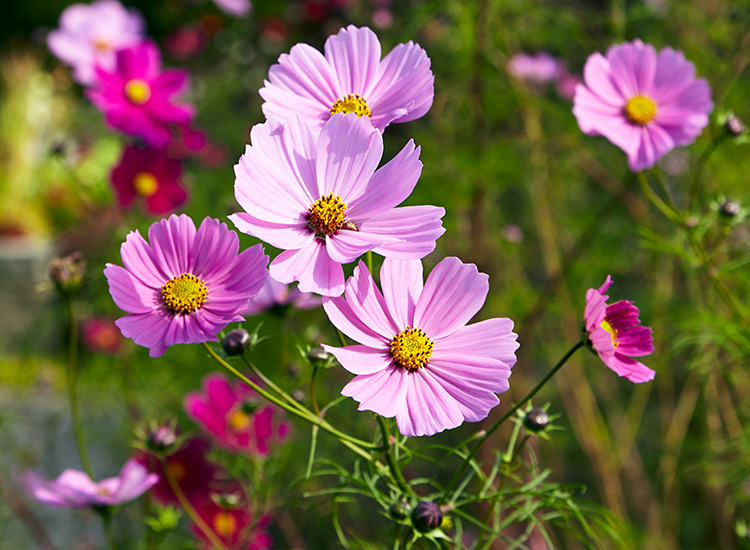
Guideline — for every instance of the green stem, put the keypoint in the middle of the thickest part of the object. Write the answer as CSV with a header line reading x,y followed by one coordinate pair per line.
x,y
665,209
268,382
75,412
314,399
398,477
106,516
511,412
695,181
357,445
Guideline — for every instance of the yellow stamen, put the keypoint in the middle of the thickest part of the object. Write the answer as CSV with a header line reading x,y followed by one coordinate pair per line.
x,y
606,326
327,215
137,91
351,103
640,109
100,45
239,420
145,184
224,524
177,469
411,348
184,294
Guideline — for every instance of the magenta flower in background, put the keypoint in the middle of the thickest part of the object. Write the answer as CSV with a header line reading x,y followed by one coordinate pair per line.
x,y
566,85
322,201
418,359
235,527
185,286
229,413
538,68
616,334
645,103
276,295
150,176
100,335
140,99
237,8
73,489
90,34
350,77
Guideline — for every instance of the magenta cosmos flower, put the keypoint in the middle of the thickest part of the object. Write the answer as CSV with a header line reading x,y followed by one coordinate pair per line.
x,y
539,68
138,98
236,527
90,34
418,359
278,297
350,77
616,334
322,201
643,102
230,413
185,286
149,176
73,489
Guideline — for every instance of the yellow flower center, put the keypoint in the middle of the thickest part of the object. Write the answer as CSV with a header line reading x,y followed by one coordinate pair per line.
x,y
100,45
606,326
177,469
184,294
327,215
103,492
224,524
137,91
411,348
351,103
145,184
239,420
640,109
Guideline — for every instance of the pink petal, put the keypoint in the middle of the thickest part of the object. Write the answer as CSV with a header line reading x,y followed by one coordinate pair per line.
x,y
354,55
383,392
361,359
129,293
367,303
416,228
291,236
429,409
402,284
312,267
343,318
630,369
493,338
346,246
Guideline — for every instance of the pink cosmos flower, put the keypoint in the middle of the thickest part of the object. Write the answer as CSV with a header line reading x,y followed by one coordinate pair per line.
x,y
73,489
235,527
320,199
138,98
151,176
275,295
566,85
90,34
538,68
350,77
617,335
100,335
231,415
643,102
418,360
238,8
185,286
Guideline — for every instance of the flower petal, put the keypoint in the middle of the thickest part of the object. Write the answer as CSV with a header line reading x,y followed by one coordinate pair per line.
x,y
361,359
402,284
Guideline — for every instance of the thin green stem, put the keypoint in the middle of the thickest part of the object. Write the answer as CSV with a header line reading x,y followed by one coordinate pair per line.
x,y
190,510
698,171
357,445
106,516
656,200
398,477
511,412
368,259
314,399
342,340
268,382
75,412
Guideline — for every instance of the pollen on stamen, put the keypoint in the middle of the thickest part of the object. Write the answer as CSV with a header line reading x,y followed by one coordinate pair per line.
x,y
612,332
351,103
327,215
225,524
137,91
411,348
184,294
640,110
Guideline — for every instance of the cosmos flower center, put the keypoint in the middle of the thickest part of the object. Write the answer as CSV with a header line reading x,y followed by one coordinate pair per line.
x,y
411,348
177,469
103,492
640,109
184,294
137,91
224,524
612,332
145,184
239,420
327,215
351,103
100,45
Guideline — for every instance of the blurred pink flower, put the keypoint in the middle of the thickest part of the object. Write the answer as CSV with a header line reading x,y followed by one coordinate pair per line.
x,y
185,42
229,413
566,85
322,201
138,98
617,335
235,527
539,68
279,295
100,335
238,8
186,286
643,102
73,489
90,34
150,176
350,77
418,359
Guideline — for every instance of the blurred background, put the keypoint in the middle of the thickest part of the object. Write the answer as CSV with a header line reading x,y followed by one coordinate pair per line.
x,y
546,211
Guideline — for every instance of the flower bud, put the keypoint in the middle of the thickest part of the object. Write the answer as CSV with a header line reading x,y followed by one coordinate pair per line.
x,y
400,510
317,355
236,342
734,126
426,516
67,273
157,438
536,420
729,209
